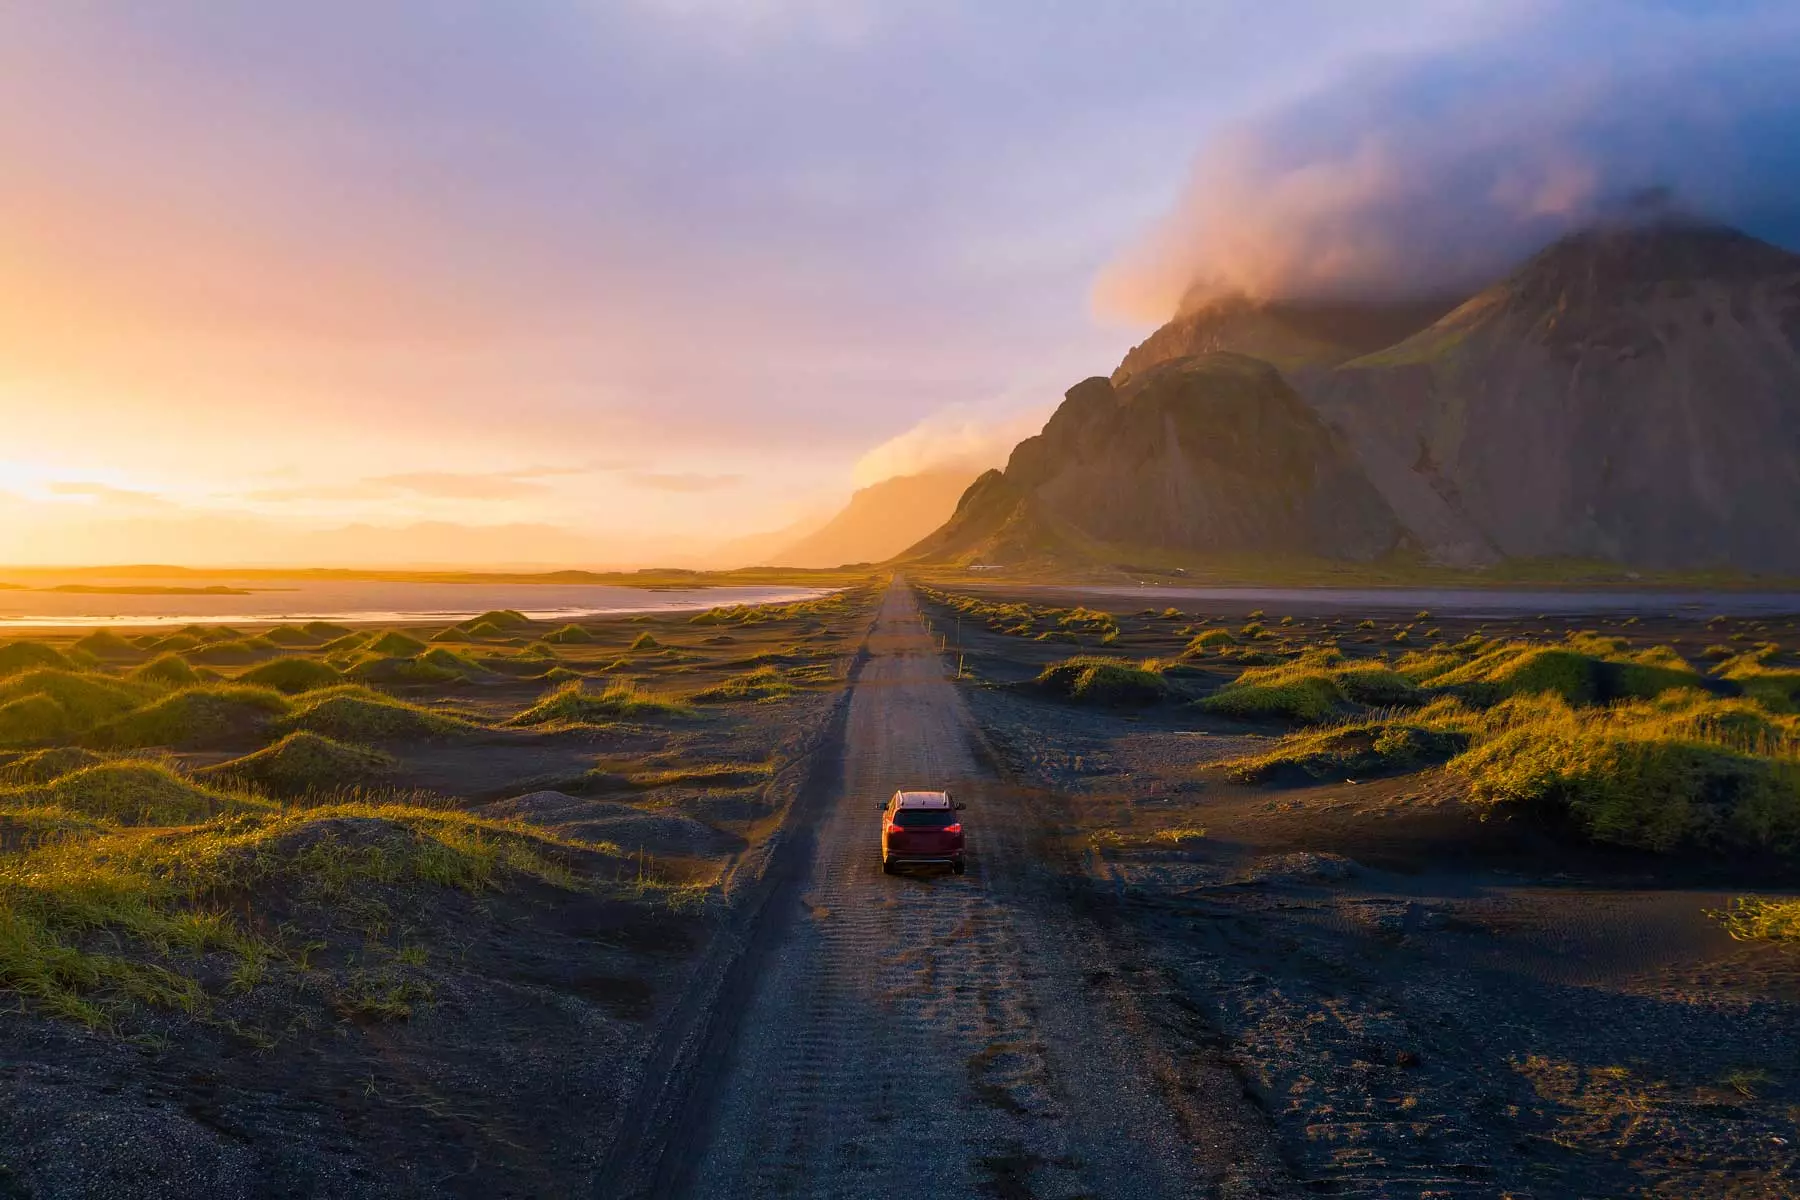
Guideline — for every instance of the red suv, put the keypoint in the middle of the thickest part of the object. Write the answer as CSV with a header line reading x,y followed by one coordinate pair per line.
x,y
921,827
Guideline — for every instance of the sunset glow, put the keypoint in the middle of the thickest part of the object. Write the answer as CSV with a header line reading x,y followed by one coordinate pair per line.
x,y
274,271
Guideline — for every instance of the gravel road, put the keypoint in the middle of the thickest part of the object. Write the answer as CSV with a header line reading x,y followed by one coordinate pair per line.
x,y
935,1035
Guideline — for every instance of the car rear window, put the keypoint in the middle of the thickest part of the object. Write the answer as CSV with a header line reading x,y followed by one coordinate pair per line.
x,y
924,818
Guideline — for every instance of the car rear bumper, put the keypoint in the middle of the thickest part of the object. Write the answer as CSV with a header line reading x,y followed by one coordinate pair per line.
x,y
906,857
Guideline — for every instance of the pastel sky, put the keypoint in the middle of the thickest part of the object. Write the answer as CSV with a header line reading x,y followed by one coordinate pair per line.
x,y
631,274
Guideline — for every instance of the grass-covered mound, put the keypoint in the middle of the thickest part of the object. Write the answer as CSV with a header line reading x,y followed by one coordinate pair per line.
x,y
41,766
763,683
32,826
1650,775
324,631
1356,750
91,927
1086,679
25,656
347,643
293,675
130,792
229,653
456,633
208,714
394,671
572,704
445,659
174,643
33,721
1316,687
569,635
396,644
104,643
169,670
305,763
46,704
499,622
357,714
644,641
1588,670
1209,639
1773,687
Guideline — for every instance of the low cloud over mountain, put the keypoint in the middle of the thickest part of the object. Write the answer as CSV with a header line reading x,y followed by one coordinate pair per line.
x,y
1416,176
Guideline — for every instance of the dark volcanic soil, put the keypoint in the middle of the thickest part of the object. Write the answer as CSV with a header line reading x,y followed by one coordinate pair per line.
x,y
1425,1003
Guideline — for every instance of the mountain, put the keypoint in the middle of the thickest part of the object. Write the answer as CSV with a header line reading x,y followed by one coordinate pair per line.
x,y
1628,394
879,522
1296,336
1207,454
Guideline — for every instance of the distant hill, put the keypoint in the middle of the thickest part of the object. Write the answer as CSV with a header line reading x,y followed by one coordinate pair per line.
x,y
1212,454
879,522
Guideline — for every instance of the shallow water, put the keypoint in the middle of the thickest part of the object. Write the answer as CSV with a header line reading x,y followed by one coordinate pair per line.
x,y
272,601
1475,602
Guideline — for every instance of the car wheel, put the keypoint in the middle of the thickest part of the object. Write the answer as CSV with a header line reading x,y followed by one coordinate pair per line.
x,y
956,866
888,868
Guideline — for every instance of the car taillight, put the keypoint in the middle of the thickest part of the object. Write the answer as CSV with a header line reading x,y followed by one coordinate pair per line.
x,y
893,829
956,828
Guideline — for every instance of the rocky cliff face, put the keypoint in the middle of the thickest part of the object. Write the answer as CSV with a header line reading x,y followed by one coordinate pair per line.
x,y
1630,394
1296,337
1208,454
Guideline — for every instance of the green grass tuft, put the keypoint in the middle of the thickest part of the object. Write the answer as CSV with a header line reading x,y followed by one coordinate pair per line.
x,y
1086,679
1762,918
763,683
572,703
1354,751
1211,639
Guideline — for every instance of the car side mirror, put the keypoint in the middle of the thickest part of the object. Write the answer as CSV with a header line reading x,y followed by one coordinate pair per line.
x,y
882,807
960,805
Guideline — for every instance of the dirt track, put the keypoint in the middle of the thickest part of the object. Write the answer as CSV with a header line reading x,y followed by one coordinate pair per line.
x,y
933,1034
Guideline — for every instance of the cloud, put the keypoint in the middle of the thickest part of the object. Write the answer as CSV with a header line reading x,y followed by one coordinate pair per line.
x,y
681,481
444,485
959,437
1437,173
452,485
102,493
